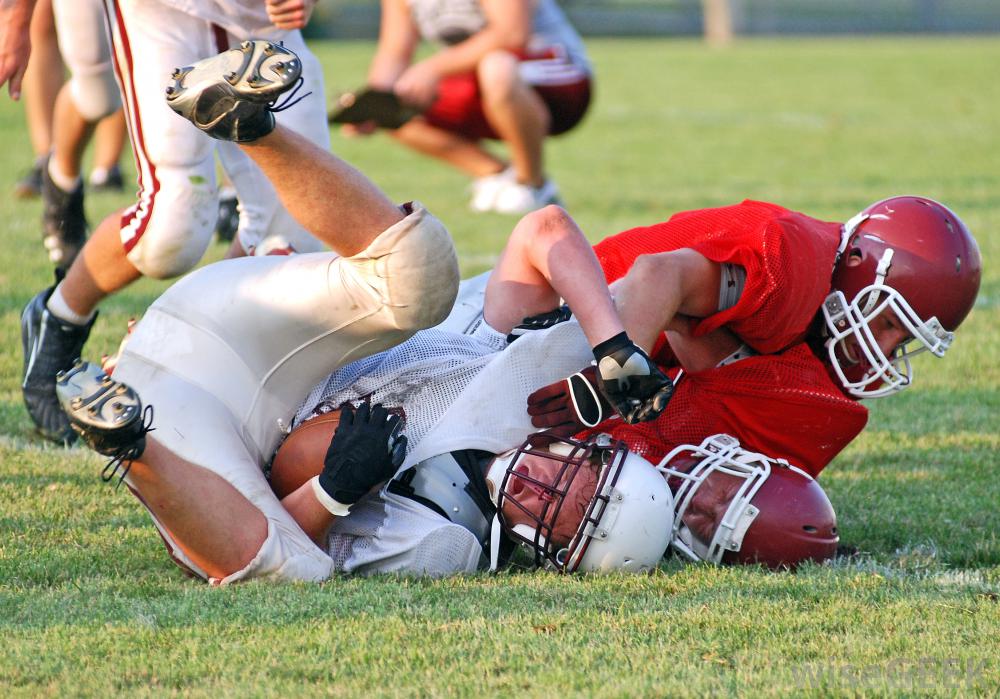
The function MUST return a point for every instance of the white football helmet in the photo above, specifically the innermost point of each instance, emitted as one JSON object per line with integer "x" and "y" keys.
{"x": 626, "y": 526}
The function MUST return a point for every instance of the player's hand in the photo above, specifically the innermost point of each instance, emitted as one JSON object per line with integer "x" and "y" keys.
{"x": 289, "y": 14}
{"x": 630, "y": 380}
{"x": 15, "y": 44}
{"x": 366, "y": 450}
{"x": 418, "y": 85}
{"x": 568, "y": 406}
{"x": 542, "y": 321}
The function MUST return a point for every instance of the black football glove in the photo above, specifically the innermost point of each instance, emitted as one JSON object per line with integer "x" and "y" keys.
{"x": 366, "y": 449}
{"x": 542, "y": 321}
{"x": 568, "y": 406}
{"x": 630, "y": 380}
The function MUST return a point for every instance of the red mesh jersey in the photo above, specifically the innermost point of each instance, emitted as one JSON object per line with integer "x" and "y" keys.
{"x": 788, "y": 258}
{"x": 783, "y": 405}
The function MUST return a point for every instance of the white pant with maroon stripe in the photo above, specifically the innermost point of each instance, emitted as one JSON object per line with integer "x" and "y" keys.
{"x": 227, "y": 354}
{"x": 170, "y": 226}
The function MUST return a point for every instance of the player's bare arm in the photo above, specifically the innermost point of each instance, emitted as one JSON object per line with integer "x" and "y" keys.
{"x": 663, "y": 291}
{"x": 547, "y": 259}
{"x": 398, "y": 39}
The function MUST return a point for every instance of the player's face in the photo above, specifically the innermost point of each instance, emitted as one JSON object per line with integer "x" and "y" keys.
{"x": 540, "y": 502}
{"x": 889, "y": 334}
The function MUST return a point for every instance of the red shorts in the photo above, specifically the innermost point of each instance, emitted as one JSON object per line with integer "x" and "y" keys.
{"x": 563, "y": 87}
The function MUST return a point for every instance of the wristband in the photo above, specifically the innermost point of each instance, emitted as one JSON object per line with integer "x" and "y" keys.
{"x": 337, "y": 509}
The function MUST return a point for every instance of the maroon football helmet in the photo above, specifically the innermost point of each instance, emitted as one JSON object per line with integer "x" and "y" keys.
{"x": 911, "y": 255}
{"x": 736, "y": 506}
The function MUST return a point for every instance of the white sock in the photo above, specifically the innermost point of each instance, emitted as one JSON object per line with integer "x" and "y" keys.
{"x": 60, "y": 309}
{"x": 61, "y": 180}
{"x": 99, "y": 175}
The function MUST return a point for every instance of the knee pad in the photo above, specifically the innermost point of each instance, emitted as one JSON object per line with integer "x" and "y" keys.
{"x": 168, "y": 232}
{"x": 95, "y": 94}
{"x": 417, "y": 261}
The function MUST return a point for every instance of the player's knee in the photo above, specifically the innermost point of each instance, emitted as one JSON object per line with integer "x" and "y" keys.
{"x": 421, "y": 273}
{"x": 178, "y": 227}
{"x": 544, "y": 226}
{"x": 498, "y": 74}
{"x": 95, "y": 96}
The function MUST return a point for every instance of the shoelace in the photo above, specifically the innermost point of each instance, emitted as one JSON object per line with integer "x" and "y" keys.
{"x": 124, "y": 456}
{"x": 290, "y": 99}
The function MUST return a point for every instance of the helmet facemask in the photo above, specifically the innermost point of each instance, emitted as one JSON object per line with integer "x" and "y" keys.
{"x": 882, "y": 374}
{"x": 544, "y": 534}
{"x": 600, "y": 509}
{"x": 720, "y": 454}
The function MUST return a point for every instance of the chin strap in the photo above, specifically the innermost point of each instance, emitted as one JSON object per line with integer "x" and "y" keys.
{"x": 494, "y": 480}
{"x": 495, "y": 531}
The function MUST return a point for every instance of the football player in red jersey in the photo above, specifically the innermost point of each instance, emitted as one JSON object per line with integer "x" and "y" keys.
{"x": 780, "y": 321}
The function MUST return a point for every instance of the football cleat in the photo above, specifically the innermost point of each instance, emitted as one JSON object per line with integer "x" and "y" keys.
{"x": 517, "y": 198}
{"x": 228, "y": 221}
{"x": 30, "y": 184}
{"x": 50, "y": 345}
{"x": 63, "y": 220}
{"x": 107, "y": 414}
{"x": 231, "y": 96}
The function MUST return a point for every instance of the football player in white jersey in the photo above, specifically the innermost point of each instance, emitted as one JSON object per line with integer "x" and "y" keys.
{"x": 167, "y": 230}
{"x": 226, "y": 355}
{"x": 513, "y": 70}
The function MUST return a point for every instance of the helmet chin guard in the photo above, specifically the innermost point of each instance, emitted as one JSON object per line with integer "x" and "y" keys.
{"x": 625, "y": 525}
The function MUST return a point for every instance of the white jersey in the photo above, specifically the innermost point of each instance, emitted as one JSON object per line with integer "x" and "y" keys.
{"x": 453, "y": 21}
{"x": 457, "y": 392}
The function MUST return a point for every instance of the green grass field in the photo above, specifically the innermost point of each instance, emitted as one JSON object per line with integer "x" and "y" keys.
{"x": 90, "y": 604}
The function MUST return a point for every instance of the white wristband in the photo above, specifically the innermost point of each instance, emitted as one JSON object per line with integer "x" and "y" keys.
{"x": 337, "y": 509}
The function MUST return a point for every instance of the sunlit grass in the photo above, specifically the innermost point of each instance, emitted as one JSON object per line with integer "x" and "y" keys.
{"x": 90, "y": 605}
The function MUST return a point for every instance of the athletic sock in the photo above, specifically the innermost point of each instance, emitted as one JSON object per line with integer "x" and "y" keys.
{"x": 58, "y": 307}
{"x": 63, "y": 182}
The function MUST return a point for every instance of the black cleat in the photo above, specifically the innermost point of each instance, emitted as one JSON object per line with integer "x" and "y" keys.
{"x": 30, "y": 185}
{"x": 50, "y": 345}
{"x": 107, "y": 414}
{"x": 232, "y": 96}
{"x": 64, "y": 222}
{"x": 229, "y": 217}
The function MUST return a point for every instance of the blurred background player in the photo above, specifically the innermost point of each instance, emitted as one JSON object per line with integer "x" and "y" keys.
{"x": 513, "y": 70}
{"x": 167, "y": 230}
{"x": 42, "y": 82}
{"x": 90, "y": 95}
